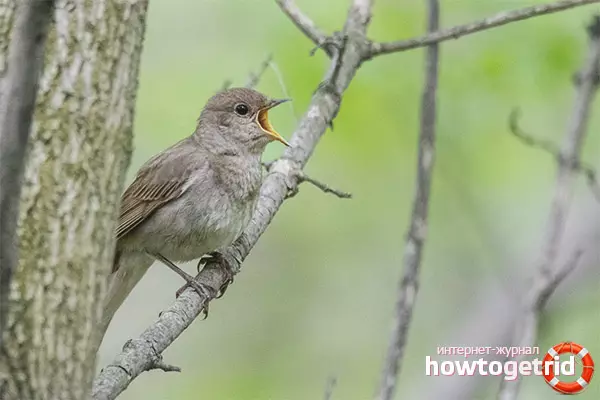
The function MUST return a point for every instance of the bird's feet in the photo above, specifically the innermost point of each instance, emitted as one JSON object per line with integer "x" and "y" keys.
{"x": 203, "y": 290}
{"x": 218, "y": 258}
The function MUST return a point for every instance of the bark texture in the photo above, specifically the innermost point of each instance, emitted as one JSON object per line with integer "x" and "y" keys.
{"x": 77, "y": 156}
{"x": 19, "y": 78}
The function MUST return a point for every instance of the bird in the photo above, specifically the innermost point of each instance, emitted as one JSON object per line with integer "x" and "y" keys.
{"x": 196, "y": 197}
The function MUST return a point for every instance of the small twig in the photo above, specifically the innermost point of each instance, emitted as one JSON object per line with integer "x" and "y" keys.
{"x": 255, "y": 78}
{"x": 502, "y": 18}
{"x": 160, "y": 364}
{"x": 547, "y": 276}
{"x": 415, "y": 239}
{"x": 304, "y": 23}
{"x": 329, "y": 45}
{"x": 549, "y": 286}
{"x": 329, "y": 387}
{"x": 284, "y": 88}
{"x": 575, "y": 164}
{"x": 226, "y": 85}
{"x": 302, "y": 177}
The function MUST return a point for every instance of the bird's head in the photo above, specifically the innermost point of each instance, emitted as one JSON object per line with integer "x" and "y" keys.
{"x": 239, "y": 116}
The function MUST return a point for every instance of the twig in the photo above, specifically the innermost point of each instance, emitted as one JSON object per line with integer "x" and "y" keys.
{"x": 502, "y": 18}
{"x": 286, "y": 93}
{"x": 302, "y": 177}
{"x": 329, "y": 387}
{"x": 304, "y": 23}
{"x": 415, "y": 240}
{"x": 254, "y": 78}
{"x": 160, "y": 364}
{"x": 139, "y": 355}
{"x": 18, "y": 91}
{"x": 547, "y": 276}
{"x": 226, "y": 85}
{"x": 585, "y": 169}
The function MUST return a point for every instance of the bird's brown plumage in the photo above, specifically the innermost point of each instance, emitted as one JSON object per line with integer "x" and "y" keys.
{"x": 195, "y": 197}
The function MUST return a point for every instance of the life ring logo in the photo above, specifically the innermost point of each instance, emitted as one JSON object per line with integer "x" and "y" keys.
{"x": 551, "y": 360}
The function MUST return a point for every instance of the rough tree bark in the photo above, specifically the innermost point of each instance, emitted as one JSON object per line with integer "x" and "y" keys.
{"x": 77, "y": 157}
{"x": 20, "y": 70}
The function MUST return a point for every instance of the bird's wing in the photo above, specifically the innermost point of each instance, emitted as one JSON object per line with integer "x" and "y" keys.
{"x": 142, "y": 198}
{"x": 163, "y": 179}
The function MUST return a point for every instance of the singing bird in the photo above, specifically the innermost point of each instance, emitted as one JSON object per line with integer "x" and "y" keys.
{"x": 195, "y": 197}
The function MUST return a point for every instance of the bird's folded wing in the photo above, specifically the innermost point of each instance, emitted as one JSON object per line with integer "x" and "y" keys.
{"x": 141, "y": 200}
{"x": 156, "y": 184}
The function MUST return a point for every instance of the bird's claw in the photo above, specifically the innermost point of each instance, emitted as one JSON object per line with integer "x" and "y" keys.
{"x": 203, "y": 290}
{"x": 228, "y": 281}
{"x": 218, "y": 258}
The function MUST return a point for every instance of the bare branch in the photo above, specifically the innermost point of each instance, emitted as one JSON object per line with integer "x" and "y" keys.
{"x": 18, "y": 90}
{"x": 587, "y": 170}
{"x": 140, "y": 354}
{"x": 302, "y": 177}
{"x": 503, "y": 18}
{"x": 415, "y": 240}
{"x": 304, "y": 23}
{"x": 547, "y": 275}
{"x": 254, "y": 78}
{"x": 329, "y": 387}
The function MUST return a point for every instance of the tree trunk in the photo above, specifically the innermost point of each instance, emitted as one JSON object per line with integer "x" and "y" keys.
{"x": 79, "y": 150}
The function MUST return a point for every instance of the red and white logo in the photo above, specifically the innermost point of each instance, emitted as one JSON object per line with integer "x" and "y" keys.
{"x": 551, "y": 361}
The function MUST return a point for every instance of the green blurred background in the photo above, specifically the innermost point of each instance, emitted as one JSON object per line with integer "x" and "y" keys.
{"x": 315, "y": 297}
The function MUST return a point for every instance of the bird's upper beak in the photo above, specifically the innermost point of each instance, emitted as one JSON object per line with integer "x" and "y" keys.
{"x": 262, "y": 119}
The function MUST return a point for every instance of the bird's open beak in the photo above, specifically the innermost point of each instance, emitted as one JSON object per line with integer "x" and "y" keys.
{"x": 262, "y": 119}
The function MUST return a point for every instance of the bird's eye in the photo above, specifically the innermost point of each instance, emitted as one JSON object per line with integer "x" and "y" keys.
{"x": 241, "y": 109}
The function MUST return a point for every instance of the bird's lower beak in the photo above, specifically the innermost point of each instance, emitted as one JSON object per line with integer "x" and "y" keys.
{"x": 262, "y": 119}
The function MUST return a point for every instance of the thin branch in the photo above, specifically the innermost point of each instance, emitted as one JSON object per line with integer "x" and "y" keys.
{"x": 502, "y": 18}
{"x": 585, "y": 169}
{"x": 254, "y": 78}
{"x": 286, "y": 93}
{"x": 18, "y": 91}
{"x": 302, "y": 177}
{"x": 415, "y": 240}
{"x": 329, "y": 387}
{"x": 547, "y": 275}
{"x": 139, "y": 355}
{"x": 304, "y": 23}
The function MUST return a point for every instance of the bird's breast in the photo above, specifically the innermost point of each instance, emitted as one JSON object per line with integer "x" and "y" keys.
{"x": 203, "y": 223}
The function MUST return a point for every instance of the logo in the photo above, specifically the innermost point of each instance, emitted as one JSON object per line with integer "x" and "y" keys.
{"x": 552, "y": 364}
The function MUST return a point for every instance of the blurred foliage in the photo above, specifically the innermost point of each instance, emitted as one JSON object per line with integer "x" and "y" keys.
{"x": 316, "y": 295}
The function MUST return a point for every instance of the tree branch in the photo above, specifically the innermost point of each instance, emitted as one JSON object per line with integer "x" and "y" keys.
{"x": 255, "y": 77}
{"x": 140, "y": 353}
{"x": 577, "y": 165}
{"x": 503, "y": 18}
{"x": 18, "y": 91}
{"x": 304, "y": 23}
{"x": 415, "y": 240}
{"x": 547, "y": 276}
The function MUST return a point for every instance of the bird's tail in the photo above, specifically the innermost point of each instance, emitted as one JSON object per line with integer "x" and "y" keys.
{"x": 128, "y": 270}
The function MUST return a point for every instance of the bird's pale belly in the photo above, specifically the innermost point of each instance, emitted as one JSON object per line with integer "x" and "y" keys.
{"x": 220, "y": 223}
